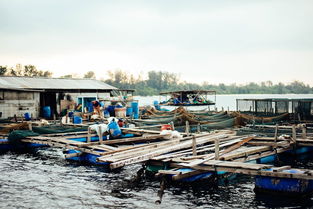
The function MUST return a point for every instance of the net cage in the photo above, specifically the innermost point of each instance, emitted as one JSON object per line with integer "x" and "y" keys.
{"x": 301, "y": 108}
{"x": 263, "y": 106}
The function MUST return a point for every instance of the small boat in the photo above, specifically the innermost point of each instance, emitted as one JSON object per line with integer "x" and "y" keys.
{"x": 189, "y": 98}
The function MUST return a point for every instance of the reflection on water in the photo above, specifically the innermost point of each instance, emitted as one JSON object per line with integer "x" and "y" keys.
{"x": 44, "y": 179}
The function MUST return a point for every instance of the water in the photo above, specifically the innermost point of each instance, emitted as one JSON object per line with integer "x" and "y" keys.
{"x": 43, "y": 179}
{"x": 227, "y": 101}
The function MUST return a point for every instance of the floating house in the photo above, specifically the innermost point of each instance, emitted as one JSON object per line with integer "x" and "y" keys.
{"x": 300, "y": 109}
{"x": 20, "y": 95}
{"x": 189, "y": 98}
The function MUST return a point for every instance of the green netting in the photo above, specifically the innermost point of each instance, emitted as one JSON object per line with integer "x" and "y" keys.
{"x": 57, "y": 129}
{"x": 15, "y": 136}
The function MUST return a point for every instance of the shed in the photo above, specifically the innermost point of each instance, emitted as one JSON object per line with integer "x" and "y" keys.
{"x": 19, "y": 95}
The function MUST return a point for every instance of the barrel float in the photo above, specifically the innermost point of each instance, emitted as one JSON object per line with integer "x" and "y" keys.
{"x": 27, "y": 116}
{"x": 46, "y": 112}
{"x": 156, "y": 105}
{"x": 77, "y": 120}
{"x": 111, "y": 109}
{"x": 286, "y": 186}
{"x": 129, "y": 111}
{"x": 114, "y": 129}
{"x": 135, "y": 107}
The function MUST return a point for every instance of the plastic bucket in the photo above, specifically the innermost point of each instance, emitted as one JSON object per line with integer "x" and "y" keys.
{"x": 120, "y": 112}
{"x": 46, "y": 112}
{"x": 27, "y": 116}
{"x": 166, "y": 127}
{"x": 77, "y": 120}
{"x": 129, "y": 111}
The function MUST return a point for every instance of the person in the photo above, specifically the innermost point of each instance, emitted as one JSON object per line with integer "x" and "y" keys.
{"x": 97, "y": 107}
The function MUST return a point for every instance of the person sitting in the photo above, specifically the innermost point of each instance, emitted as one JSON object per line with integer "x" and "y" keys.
{"x": 97, "y": 108}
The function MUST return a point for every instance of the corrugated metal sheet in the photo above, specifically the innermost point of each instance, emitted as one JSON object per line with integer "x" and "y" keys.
{"x": 52, "y": 83}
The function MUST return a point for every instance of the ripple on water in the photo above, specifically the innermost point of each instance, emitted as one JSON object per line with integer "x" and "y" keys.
{"x": 44, "y": 180}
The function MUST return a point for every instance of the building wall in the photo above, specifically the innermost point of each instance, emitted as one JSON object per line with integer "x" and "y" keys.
{"x": 18, "y": 103}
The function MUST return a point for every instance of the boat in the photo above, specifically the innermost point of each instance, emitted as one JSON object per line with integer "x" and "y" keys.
{"x": 188, "y": 98}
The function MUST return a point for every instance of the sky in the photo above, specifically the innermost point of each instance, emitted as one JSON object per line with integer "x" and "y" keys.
{"x": 223, "y": 41}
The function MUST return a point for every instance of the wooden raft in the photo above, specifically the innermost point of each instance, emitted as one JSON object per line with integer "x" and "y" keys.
{"x": 241, "y": 168}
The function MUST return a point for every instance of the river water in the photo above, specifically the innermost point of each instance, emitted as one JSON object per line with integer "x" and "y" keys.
{"x": 43, "y": 179}
{"x": 226, "y": 101}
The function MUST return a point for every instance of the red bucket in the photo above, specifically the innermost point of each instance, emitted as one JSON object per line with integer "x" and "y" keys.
{"x": 166, "y": 127}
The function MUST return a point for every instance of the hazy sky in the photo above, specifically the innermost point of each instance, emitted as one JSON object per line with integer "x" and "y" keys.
{"x": 217, "y": 41}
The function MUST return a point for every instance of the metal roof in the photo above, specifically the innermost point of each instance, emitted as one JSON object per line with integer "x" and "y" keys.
{"x": 37, "y": 83}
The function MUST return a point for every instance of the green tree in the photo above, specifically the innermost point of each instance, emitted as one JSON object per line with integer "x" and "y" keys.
{"x": 90, "y": 74}
{"x": 3, "y": 70}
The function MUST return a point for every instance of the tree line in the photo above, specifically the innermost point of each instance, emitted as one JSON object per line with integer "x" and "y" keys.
{"x": 155, "y": 82}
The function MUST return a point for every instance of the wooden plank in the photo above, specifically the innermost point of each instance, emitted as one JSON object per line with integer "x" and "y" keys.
{"x": 170, "y": 172}
{"x": 187, "y": 174}
{"x": 278, "y": 169}
{"x": 145, "y": 157}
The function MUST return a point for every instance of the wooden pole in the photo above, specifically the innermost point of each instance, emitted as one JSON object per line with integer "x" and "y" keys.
{"x": 294, "y": 133}
{"x": 172, "y": 124}
{"x": 187, "y": 128}
{"x": 30, "y": 126}
{"x": 198, "y": 128}
{"x": 54, "y": 118}
{"x": 217, "y": 148}
{"x": 276, "y": 132}
{"x": 194, "y": 146}
{"x": 66, "y": 118}
{"x": 89, "y": 135}
{"x": 100, "y": 134}
{"x": 303, "y": 131}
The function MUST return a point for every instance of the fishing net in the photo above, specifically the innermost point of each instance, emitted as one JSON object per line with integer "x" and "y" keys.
{"x": 15, "y": 136}
{"x": 252, "y": 118}
{"x": 57, "y": 129}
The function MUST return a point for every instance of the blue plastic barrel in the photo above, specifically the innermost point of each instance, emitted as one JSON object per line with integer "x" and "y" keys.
{"x": 156, "y": 105}
{"x": 135, "y": 107}
{"x": 46, "y": 112}
{"x": 70, "y": 114}
{"x": 114, "y": 129}
{"x": 27, "y": 116}
{"x": 77, "y": 120}
{"x": 111, "y": 109}
{"x": 90, "y": 107}
{"x": 129, "y": 111}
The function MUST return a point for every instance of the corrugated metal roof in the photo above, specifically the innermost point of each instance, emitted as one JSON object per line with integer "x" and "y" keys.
{"x": 52, "y": 83}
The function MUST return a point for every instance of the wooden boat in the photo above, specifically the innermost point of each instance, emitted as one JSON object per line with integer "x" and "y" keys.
{"x": 189, "y": 98}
